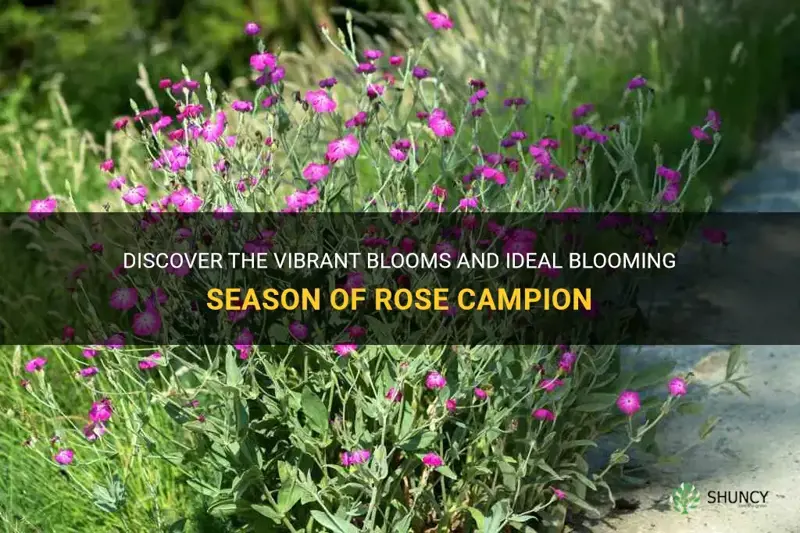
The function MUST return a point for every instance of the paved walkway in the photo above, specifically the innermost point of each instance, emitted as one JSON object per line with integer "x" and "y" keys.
{"x": 756, "y": 445}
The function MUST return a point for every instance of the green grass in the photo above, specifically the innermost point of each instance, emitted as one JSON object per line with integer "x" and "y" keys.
{"x": 36, "y": 496}
{"x": 46, "y": 155}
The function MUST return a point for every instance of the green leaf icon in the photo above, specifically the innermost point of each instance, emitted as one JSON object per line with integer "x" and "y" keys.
{"x": 685, "y": 498}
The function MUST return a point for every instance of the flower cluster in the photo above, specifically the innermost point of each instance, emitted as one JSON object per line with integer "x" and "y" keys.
{"x": 416, "y": 432}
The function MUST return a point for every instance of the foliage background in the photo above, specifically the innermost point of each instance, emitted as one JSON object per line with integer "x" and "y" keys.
{"x": 741, "y": 57}
{"x": 92, "y": 47}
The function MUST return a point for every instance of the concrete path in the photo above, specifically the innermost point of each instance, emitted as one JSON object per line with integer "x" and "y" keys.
{"x": 756, "y": 445}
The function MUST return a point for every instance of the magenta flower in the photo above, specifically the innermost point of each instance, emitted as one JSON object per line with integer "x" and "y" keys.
{"x": 450, "y": 405}
{"x": 359, "y": 119}
{"x": 270, "y": 101}
{"x": 396, "y": 61}
{"x": 567, "y": 361}
{"x": 68, "y": 334}
{"x": 183, "y": 234}
{"x": 394, "y": 395}
{"x": 440, "y": 124}
{"x": 582, "y": 110}
{"x": 549, "y": 144}
{"x": 124, "y": 298}
{"x": 492, "y": 174}
{"x": 263, "y": 61}
{"x": 93, "y": 431}
{"x": 135, "y": 195}
{"x": 88, "y": 353}
{"x": 432, "y": 460}
{"x": 699, "y": 135}
{"x": 560, "y": 494}
{"x": 480, "y": 393}
{"x": 439, "y": 21}
{"x": 277, "y": 75}
{"x": 320, "y": 101}
{"x": 543, "y": 414}
{"x": 397, "y": 154}
{"x": 446, "y": 250}
{"x": 244, "y": 341}
{"x": 518, "y": 246}
{"x": 420, "y": 72}
{"x": 713, "y": 120}
{"x": 671, "y": 192}
{"x": 540, "y": 155}
{"x": 115, "y": 341}
{"x": 213, "y": 130}
{"x": 672, "y": 176}
{"x": 677, "y": 386}
{"x": 629, "y": 403}
{"x": 146, "y": 323}
{"x": 518, "y": 135}
{"x": 162, "y": 123}
{"x": 636, "y": 83}
{"x": 298, "y": 330}
{"x": 550, "y": 384}
{"x": 35, "y": 364}
{"x": 101, "y": 411}
{"x": 360, "y": 456}
{"x": 316, "y": 172}
{"x": 343, "y": 350}
{"x": 353, "y": 280}
{"x": 514, "y": 102}
{"x": 365, "y": 68}
{"x": 300, "y": 200}
{"x": 41, "y": 209}
{"x": 224, "y": 213}
{"x": 251, "y": 28}
{"x": 151, "y": 361}
{"x": 116, "y": 184}
{"x": 64, "y": 457}
{"x": 356, "y": 332}
{"x": 179, "y": 271}
{"x": 88, "y": 372}
{"x": 468, "y": 203}
{"x": 402, "y": 144}
{"x": 373, "y": 55}
{"x": 343, "y": 148}
{"x": 355, "y": 457}
{"x": 189, "y": 203}
{"x": 375, "y": 90}
{"x": 435, "y": 380}
{"x": 344, "y": 458}
{"x": 175, "y": 158}
{"x": 242, "y": 106}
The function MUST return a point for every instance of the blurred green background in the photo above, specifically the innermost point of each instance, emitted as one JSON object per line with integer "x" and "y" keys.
{"x": 69, "y": 67}
{"x": 97, "y": 44}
